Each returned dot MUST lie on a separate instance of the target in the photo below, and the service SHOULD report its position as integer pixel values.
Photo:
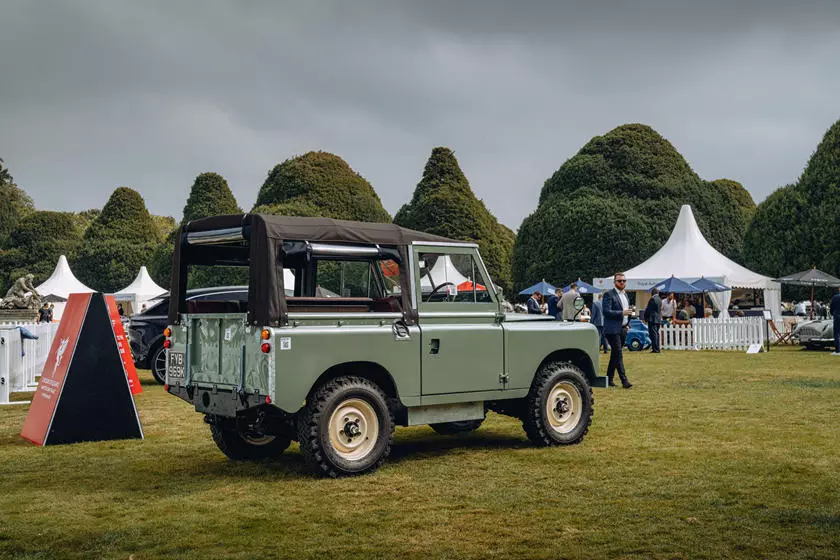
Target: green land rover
(386, 326)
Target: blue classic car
(637, 337)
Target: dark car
(146, 329)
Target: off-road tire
(241, 447)
(458, 427)
(159, 355)
(564, 380)
(319, 439)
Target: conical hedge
(209, 195)
(798, 226)
(444, 204)
(614, 204)
(117, 243)
(319, 184)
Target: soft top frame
(260, 248)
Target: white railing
(737, 333)
(22, 360)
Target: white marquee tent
(442, 271)
(61, 283)
(142, 290)
(688, 256)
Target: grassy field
(710, 455)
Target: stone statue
(16, 297)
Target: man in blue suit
(617, 314)
(597, 319)
(533, 303)
(653, 318)
(553, 301)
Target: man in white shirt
(669, 307)
(617, 314)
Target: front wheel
(635, 344)
(245, 442)
(559, 406)
(346, 427)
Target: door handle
(435, 345)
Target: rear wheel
(346, 427)
(635, 344)
(158, 364)
(558, 408)
(245, 442)
(458, 427)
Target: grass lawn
(710, 455)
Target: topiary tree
(117, 243)
(444, 204)
(613, 204)
(209, 195)
(798, 226)
(739, 196)
(319, 184)
(124, 217)
(15, 204)
(37, 242)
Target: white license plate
(176, 365)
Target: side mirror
(579, 303)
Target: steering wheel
(437, 289)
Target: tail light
(266, 347)
(167, 343)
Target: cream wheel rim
(563, 407)
(354, 429)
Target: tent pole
(812, 302)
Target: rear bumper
(225, 401)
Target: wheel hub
(563, 407)
(353, 429)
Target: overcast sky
(95, 95)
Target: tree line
(607, 208)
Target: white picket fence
(737, 333)
(21, 361)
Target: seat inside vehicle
(342, 305)
(198, 306)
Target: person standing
(553, 301)
(533, 303)
(567, 303)
(597, 319)
(834, 307)
(43, 313)
(653, 318)
(669, 307)
(616, 324)
(52, 312)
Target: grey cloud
(100, 94)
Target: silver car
(815, 334)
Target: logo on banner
(62, 347)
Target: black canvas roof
(317, 229)
(264, 256)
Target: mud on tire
(558, 409)
(242, 445)
(346, 427)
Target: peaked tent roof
(62, 282)
(143, 286)
(443, 271)
(689, 256)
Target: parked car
(145, 330)
(814, 335)
(637, 337)
(338, 373)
